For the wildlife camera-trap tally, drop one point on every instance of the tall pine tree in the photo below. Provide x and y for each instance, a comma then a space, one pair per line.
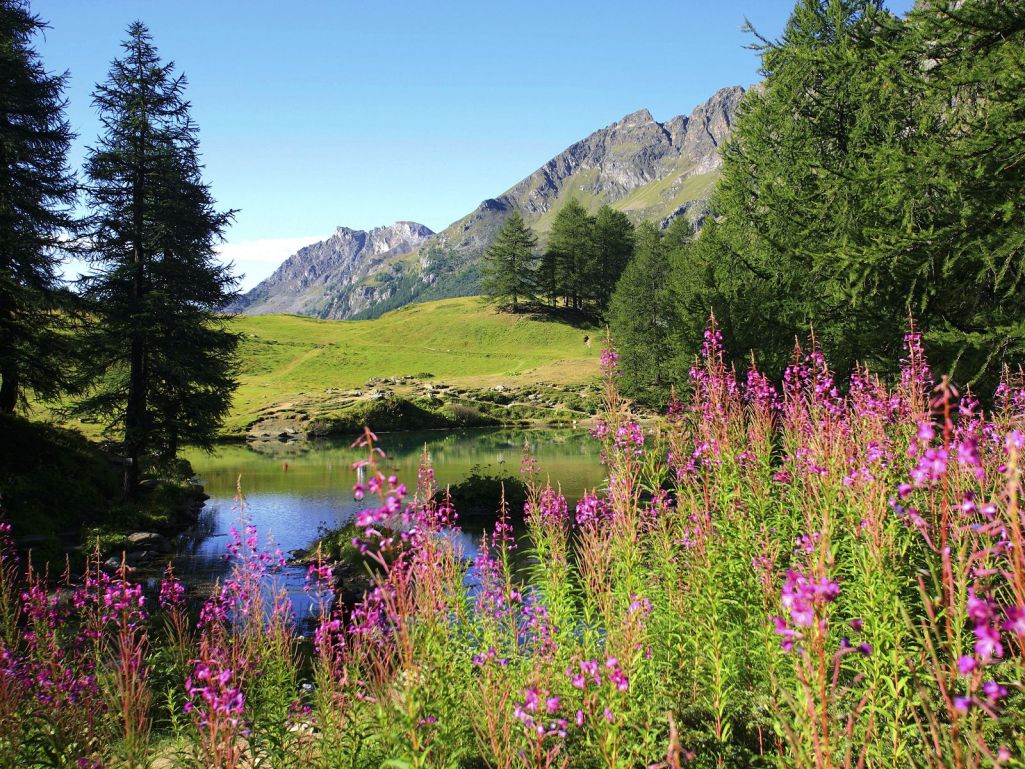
162, 359
613, 239
509, 272
37, 193
571, 253
643, 320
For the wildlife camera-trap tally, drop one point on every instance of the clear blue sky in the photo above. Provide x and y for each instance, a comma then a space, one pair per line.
318, 113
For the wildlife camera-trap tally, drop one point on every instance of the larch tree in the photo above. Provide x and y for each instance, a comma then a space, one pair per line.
613, 240
160, 357
571, 253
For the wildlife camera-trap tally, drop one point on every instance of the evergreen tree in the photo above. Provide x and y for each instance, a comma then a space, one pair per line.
613, 235
571, 253
163, 360
548, 282
956, 211
877, 175
786, 248
37, 192
643, 320
510, 264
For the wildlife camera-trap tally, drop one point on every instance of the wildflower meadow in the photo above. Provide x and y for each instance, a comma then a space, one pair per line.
820, 574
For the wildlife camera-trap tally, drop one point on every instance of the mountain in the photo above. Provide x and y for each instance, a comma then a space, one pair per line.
649, 170
333, 278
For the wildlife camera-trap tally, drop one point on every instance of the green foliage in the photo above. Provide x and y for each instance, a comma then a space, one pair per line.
613, 236
571, 254
160, 360
585, 257
643, 318
51, 478
508, 273
482, 491
872, 178
37, 192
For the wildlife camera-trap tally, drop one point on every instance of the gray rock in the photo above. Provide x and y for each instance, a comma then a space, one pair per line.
150, 540
137, 557
310, 281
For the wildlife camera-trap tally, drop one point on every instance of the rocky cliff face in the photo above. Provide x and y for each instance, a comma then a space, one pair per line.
649, 170
319, 278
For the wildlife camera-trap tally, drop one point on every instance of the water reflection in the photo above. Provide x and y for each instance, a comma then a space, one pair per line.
294, 490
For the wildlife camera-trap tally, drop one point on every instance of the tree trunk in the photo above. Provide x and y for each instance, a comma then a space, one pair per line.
136, 407
9, 387
135, 410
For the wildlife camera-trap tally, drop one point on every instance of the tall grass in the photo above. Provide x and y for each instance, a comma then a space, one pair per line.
811, 576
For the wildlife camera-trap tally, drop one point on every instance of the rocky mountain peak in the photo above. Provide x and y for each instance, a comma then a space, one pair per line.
307, 281
649, 170
634, 119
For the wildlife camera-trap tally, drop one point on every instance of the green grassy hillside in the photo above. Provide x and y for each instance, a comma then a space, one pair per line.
293, 362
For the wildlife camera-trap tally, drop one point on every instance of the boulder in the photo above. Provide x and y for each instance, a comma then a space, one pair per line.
149, 540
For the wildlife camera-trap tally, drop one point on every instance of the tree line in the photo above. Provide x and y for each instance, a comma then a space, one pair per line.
140, 344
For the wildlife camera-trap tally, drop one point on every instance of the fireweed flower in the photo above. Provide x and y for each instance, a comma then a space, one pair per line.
591, 510
489, 657
214, 693
549, 510
802, 597
1015, 620
536, 630
609, 362
630, 439
616, 675
172, 591
318, 575
987, 642
124, 601
534, 711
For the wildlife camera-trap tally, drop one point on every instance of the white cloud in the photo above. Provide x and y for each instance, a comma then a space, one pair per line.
255, 259
259, 258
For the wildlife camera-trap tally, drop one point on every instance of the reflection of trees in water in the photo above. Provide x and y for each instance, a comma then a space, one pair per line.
469, 443
570, 456
191, 541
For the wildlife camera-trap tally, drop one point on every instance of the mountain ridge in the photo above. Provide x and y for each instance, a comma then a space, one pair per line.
649, 170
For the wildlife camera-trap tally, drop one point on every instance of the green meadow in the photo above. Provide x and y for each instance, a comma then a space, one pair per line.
461, 342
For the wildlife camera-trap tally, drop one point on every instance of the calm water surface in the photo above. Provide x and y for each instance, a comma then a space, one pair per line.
292, 491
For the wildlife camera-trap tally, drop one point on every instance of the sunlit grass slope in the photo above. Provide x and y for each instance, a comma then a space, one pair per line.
458, 341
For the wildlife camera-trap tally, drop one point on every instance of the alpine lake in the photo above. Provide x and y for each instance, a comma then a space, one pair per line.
292, 492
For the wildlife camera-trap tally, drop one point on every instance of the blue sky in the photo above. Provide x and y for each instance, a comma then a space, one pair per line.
319, 113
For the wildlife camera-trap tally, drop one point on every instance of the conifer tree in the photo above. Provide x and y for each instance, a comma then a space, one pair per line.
786, 243
571, 253
162, 359
37, 193
548, 277
952, 229
643, 320
613, 235
510, 264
